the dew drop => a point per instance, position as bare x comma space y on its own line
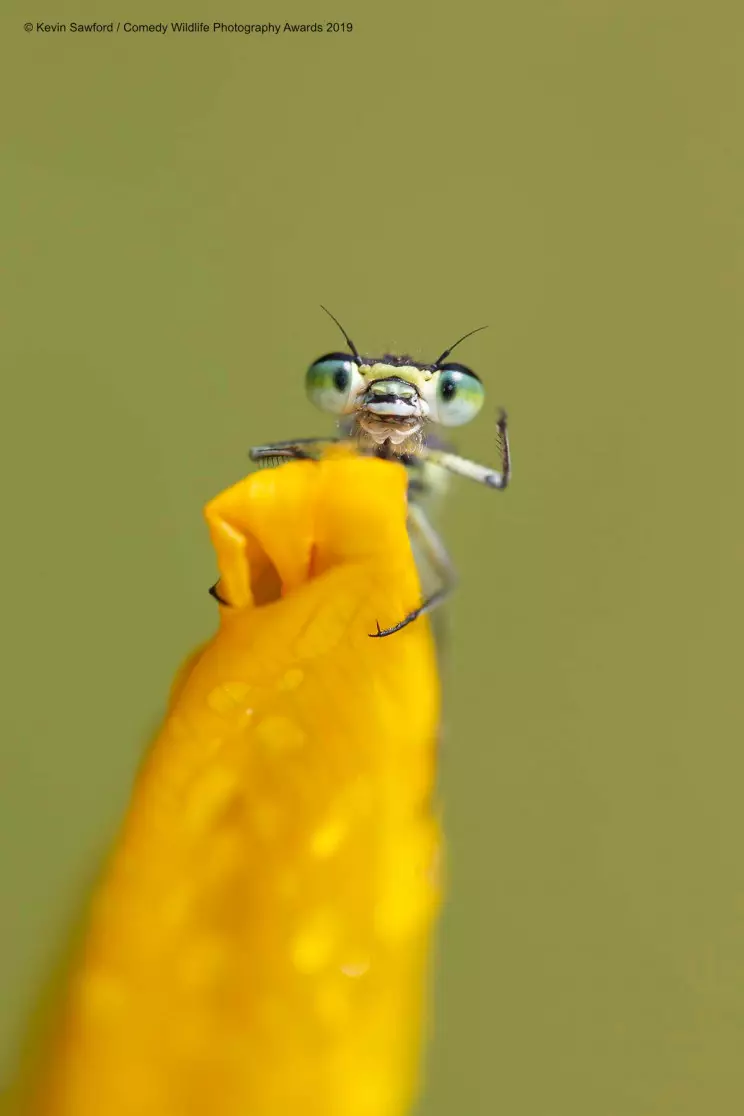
228, 697
291, 680
279, 734
314, 943
213, 792
328, 838
356, 967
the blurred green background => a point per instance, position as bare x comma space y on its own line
174, 208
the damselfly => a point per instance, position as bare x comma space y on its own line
387, 406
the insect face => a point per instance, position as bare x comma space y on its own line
391, 398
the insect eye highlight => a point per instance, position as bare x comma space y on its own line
332, 382
459, 395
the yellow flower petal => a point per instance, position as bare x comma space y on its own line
259, 944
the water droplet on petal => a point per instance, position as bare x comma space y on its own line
291, 680
211, 796
279, 734
356, 967
229, 697
327, 839
313, 945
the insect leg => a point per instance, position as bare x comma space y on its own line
433, 549
471, 469
289, 450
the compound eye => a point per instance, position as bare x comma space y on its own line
459, 395
332, 383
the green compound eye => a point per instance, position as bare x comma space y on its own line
459, 395
332, 383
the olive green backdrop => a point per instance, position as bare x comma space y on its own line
570, 171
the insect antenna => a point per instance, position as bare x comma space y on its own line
447, 352
349, 342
